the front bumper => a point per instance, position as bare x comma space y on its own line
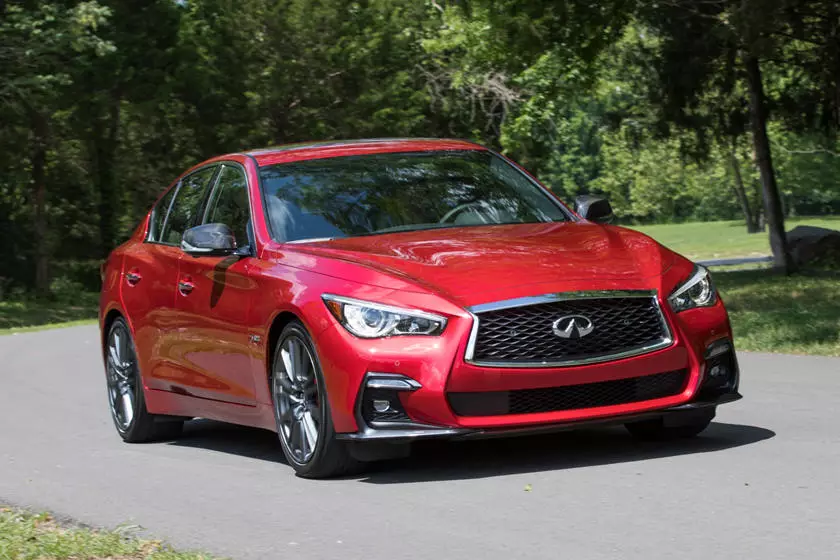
381, 416
411, 432
441, 372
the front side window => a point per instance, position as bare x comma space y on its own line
392, 192
228, 203
187, 202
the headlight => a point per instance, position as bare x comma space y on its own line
373, 320
697, 291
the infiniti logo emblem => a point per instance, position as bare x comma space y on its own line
572, 326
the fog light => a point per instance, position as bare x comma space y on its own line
721, 369
718, 371
381, 399
381, 406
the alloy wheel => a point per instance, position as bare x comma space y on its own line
122, 377
297, 399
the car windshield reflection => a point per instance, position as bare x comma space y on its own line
400, 192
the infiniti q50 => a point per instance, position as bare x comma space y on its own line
355, 297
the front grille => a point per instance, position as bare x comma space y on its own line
569, 397
525, 335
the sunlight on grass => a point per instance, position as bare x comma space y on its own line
47, 326
31, 314
25, 536
713, 240
770, 312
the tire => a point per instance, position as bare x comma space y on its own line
126, 399
655, 429
302, 410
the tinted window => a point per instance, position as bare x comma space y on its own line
159, 215
381, 193
228, 203
186, 205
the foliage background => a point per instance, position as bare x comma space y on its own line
104, 102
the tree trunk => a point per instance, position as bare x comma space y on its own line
105, 145
40, 131
741, 194
772, 202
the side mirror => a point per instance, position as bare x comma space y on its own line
594, 208
209, 240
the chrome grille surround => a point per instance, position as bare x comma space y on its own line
476, 311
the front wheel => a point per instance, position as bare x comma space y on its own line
126, 401
657, 429
301, 408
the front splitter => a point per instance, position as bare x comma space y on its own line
407, 433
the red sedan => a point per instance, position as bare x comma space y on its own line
355, 297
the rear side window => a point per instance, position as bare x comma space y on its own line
228, 203
159, 213
186, 206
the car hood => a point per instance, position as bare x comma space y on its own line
462, 262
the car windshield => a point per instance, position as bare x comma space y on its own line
392, 192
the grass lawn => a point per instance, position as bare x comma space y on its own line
30, 314
713, 240
788, 314
24, 536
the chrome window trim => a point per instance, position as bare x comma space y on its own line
475, 310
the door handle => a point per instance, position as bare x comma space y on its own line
185, 287
133, 277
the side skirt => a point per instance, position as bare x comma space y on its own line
173, 404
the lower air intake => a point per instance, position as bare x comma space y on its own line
570, 397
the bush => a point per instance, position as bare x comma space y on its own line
82, 273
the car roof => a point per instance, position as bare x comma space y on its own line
338, 148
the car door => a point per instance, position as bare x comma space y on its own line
213, 300
150, 277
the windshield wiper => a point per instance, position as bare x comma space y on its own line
311, 240
408, 227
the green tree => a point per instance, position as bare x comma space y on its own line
42, 51
129, 72
707, 48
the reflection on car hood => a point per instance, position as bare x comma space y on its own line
466, 260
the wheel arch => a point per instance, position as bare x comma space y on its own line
109, 319
277, 325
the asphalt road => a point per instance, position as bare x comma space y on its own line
764, 482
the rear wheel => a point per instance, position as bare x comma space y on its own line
125, 391
301, 408
657, 429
